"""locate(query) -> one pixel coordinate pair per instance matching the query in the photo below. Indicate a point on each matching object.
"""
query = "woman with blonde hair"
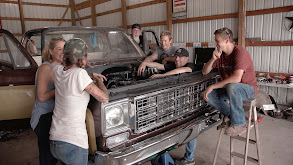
(44, 101)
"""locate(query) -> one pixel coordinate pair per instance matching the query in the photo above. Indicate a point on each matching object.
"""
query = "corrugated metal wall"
(147, 14)
(32, 11)
(278, 59)
(10, 10)
(109, 20)
(268, 27)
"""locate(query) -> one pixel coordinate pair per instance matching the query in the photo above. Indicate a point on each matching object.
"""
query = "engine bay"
(118, 76)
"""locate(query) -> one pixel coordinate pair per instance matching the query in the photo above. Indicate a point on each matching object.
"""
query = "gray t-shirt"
(163, 54)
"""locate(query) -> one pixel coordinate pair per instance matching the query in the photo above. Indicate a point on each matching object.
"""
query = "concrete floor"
(276, 146)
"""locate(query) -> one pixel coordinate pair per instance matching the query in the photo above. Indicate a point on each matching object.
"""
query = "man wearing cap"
(136, 34)
(73, 87)
(161, 54)
(181, 64)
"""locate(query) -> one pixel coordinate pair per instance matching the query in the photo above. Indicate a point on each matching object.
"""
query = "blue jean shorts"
(68, 153)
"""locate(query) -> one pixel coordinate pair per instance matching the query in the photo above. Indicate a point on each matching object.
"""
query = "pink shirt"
(238, 59)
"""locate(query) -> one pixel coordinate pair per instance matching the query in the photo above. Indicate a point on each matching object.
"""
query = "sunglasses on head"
(225, 30)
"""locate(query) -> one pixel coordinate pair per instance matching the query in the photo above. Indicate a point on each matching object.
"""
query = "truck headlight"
(115, 118)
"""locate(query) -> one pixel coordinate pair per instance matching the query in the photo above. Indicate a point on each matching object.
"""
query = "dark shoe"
(184, 162)
(225, 123)
(235, 130)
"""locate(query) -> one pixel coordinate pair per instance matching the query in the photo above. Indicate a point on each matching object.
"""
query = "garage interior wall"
(266, 27)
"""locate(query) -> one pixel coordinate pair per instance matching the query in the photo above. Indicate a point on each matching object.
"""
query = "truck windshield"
(102, 45)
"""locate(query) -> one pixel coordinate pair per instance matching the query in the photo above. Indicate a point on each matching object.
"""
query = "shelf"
(275, 85)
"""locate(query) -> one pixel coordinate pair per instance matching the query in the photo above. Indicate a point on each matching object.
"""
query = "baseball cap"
(75, 47)
(136, 26)
(182, 52)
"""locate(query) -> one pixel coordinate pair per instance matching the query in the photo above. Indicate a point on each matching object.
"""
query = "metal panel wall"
(157, 29)
(57, 2)
(109, 20)
(32, 11)
(267, 27)
(84, 12)
(87, 22)
(278, 59)
(107, 6)
(10, 10)
(147, 14)
(134, 2)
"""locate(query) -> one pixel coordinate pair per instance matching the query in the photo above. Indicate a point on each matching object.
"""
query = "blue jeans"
(68, 153)
(235, 93)
(189, 150)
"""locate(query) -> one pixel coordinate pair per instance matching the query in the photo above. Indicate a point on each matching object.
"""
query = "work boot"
(235, 130)
(182, 161)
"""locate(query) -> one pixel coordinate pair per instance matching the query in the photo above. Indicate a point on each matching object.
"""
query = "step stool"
(251, 124)
(163, 159)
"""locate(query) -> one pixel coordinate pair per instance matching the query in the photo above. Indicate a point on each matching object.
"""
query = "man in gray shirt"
(162, 54)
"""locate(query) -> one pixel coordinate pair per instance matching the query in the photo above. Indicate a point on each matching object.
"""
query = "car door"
(17, 74)
(149, 37)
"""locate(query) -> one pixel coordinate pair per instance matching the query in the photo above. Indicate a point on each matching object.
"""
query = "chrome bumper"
(144, 150)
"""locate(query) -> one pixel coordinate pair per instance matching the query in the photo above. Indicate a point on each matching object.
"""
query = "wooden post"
(73, 3)
(123, 9)
(21, 16)
(169, 15)
(72, 12)
(241, 23)
(93, 11)
(63, 16)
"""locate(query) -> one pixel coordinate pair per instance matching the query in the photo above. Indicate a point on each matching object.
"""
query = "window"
(10, 55)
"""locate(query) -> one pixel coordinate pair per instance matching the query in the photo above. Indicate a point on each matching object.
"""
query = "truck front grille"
(160, 108)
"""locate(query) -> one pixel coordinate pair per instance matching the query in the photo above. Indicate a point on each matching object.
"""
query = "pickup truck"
(144, 117)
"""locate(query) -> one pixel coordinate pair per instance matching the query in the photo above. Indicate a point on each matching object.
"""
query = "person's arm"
(154, 65)
(99, 91)
(209, 65)
(168, 59)
(151, 58)
(234, 78)
(95, 76)
(142, 66)
(172, 72)
(45, 76)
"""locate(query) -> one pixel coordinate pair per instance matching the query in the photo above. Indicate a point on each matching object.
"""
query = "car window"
(10, 55)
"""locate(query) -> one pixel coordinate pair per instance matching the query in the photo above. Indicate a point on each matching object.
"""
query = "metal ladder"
(251, 124)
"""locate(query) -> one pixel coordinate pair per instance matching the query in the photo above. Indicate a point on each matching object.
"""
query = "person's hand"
(217, 53)
(157, 75)
(141, 68)
(207, 92)
(98, 76)
(164, 61)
